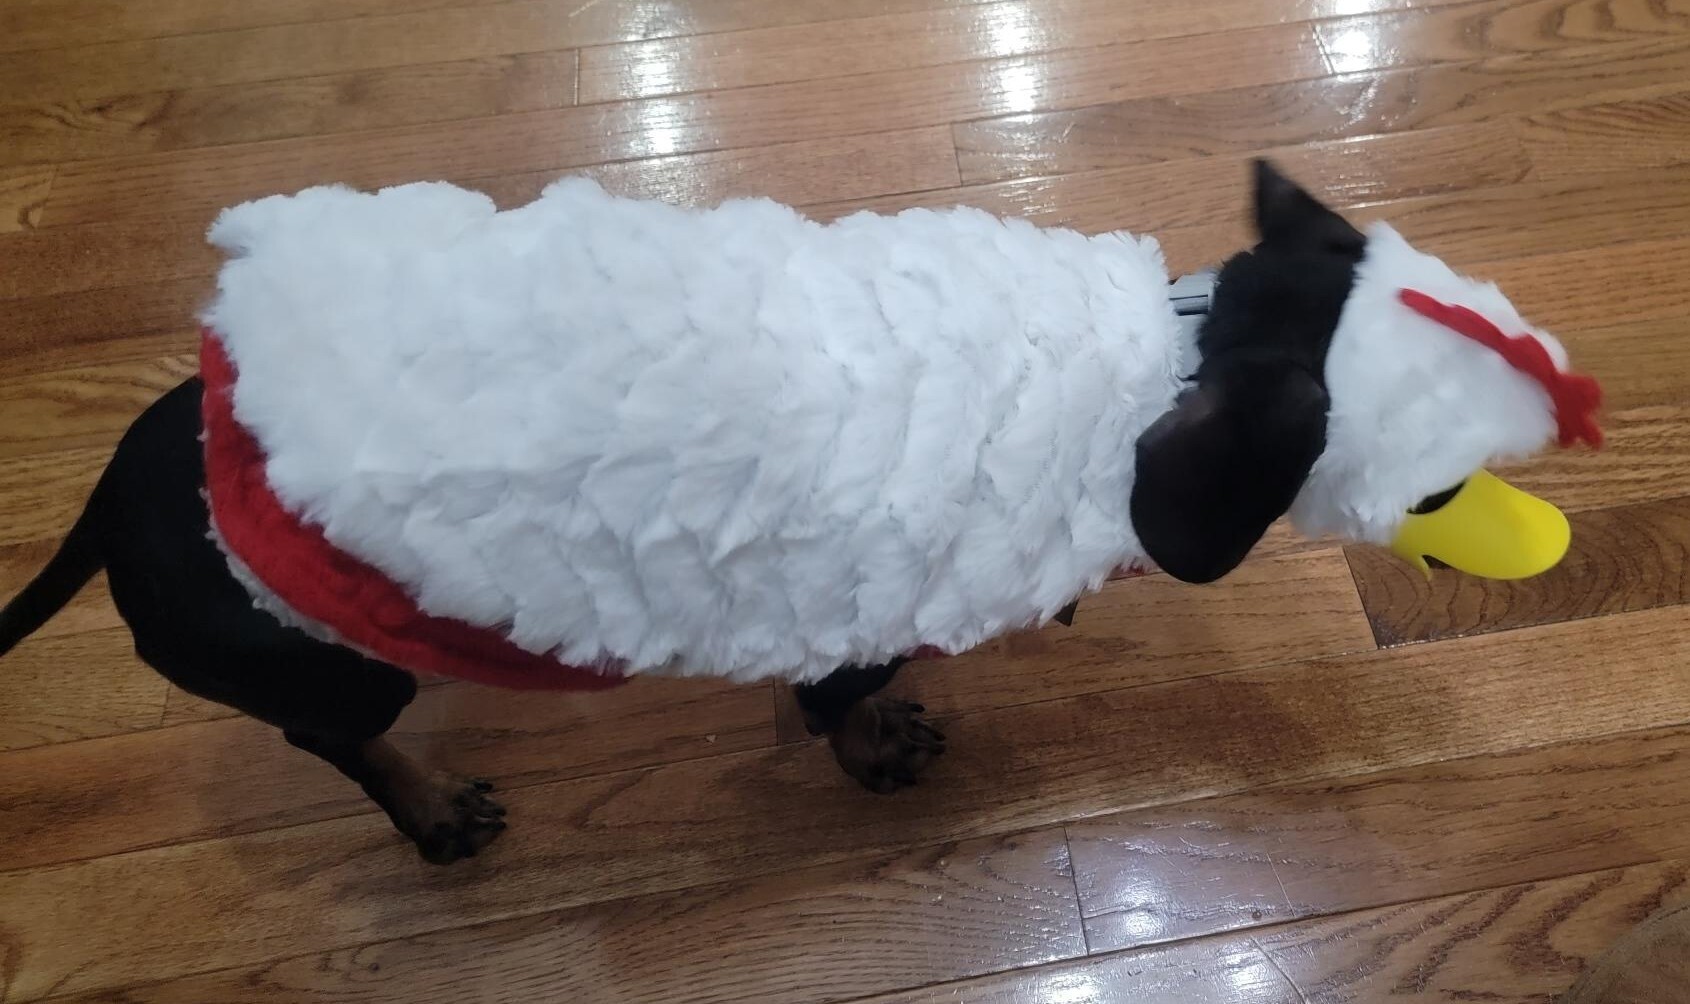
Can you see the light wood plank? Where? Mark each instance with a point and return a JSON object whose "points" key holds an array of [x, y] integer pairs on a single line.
{"points": [[1288, 853], [88, 406], [1521, 944], [91, 610], [1642, 462], [56, 689], [1599, 286], [23, 194], [1623, 558], [202, 181], [77, 128], [169, 912], [42, 494], [830, 933], [1625, 135], [1170, 127], [237, 775]]}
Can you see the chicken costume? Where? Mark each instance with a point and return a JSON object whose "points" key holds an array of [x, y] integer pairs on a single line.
{"points": [[594, 437]]}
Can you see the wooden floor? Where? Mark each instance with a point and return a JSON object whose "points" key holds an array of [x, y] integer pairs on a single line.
{"points": [[1320, 781]]}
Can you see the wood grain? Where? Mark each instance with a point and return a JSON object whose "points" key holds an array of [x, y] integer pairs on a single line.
{"points": [[1569, 142], [81, 128], [236, 901], [61, 688], [1521, 944], [88, 406], [1622, 558], [1287, 853], [237, 775], [1642, 462], [537, 141], [41, 494], [23, 194], [91, 610], [934, 37], [1178, 126], [924, 915]]}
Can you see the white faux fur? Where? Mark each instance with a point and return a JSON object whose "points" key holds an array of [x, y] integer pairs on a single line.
{"points": [[1416, 407], [728, 441]]}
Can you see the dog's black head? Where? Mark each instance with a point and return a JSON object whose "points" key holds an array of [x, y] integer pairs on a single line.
{"points": [[1229, 458]]}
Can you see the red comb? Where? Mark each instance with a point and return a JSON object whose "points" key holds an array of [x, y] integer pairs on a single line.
{"points": [[1575, 395]]}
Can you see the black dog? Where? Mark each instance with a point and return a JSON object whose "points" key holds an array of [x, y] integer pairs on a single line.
{"points": [[1256, 410]]}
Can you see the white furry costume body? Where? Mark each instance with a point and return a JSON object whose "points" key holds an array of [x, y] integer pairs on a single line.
{"points": [[728, 441]]}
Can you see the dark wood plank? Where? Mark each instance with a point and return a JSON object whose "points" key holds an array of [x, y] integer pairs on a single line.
{"points": [[550, 140], [44, 332], [1624, 558], [168, 912], [1288, 113], [60, 688], [1522, 944], [1166, 196], [832, 933], [88, 128], [236, 775], [1288, 853]]}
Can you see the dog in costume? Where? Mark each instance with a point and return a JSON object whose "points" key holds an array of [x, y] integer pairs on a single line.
{"points": [[594, 437]]}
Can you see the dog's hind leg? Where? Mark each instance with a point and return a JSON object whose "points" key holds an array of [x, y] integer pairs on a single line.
{"points": [[881, 741], [196, 625]]}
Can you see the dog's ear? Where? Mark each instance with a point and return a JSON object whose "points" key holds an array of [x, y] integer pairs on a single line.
{"points": [[1228, 459], [1288, 216]]}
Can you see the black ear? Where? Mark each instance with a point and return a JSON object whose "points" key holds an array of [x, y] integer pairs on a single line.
{"points": [[1218, 469], [1288, 216]]}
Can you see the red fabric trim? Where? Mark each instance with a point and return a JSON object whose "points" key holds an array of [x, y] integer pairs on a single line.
{"points": [[319, 581], [1575, 395]]}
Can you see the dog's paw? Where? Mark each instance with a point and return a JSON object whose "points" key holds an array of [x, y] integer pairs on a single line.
{"points": [[451, 817], [884, 744]]}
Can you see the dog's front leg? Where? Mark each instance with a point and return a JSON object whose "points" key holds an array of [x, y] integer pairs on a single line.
{"points": [[881, 741]]}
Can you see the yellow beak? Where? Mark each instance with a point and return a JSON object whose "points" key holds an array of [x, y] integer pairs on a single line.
{"points": [[1490, 529]]}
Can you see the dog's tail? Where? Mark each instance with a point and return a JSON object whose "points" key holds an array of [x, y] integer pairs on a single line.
{"points": [[77, 560]]}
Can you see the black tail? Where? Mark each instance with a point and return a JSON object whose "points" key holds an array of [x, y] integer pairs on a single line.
{"points": [[71, 568]]}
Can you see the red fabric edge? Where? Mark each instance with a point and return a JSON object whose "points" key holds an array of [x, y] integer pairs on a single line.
{"points": [[297, 563]]}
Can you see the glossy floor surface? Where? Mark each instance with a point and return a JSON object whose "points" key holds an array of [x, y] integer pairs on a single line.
{"points": [[1323, 780]]}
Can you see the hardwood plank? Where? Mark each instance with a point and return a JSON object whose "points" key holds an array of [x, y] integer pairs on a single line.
{"points": [[56, 689], [831, 933], [937, 37], [88, 406], [23, 194], [1156, 629], [537, 141], [1639, 363], [78, 128], [56, 24], [1288, 853], [1455, 33], [794, 173], [1577, 288], [58, 260], [1571, 142], [167, 912], [236, 775], [91, 610], [39, 360], [42, 494], [1288, 113], [1624, 558], [1165, 196], [1642, 462], [1522, 944], [62, 327]]}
